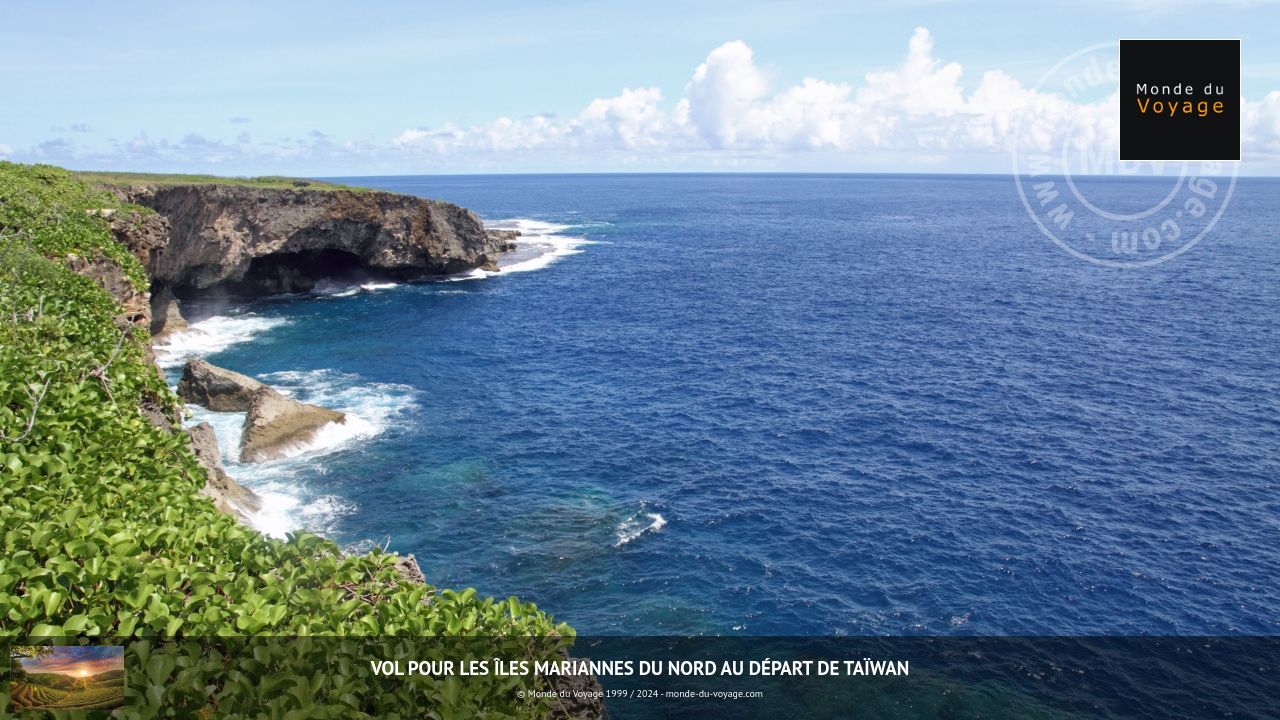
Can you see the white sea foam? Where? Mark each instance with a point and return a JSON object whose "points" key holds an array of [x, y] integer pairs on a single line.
{"points": [[528, 226], [476, 274], [341, 289], [539, 245], [212, 335], [284, 510], [331, 288], [374, 403], [286, 503], [545, 241], [226, 425], [637, 525]]}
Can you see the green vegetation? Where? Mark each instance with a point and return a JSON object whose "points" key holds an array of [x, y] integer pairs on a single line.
{"points": [[57, 681], [25, 696], [104, 533], [92, 699], [43, 208], [266, 181]]}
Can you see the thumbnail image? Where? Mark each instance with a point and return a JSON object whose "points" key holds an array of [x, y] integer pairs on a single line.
{"points": [[66, 678]]}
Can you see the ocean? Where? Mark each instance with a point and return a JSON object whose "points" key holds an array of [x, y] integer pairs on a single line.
{"points": [[796, 405]]}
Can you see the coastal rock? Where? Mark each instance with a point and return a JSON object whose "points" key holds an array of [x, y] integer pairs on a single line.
{"points": [[144, 234], [228, 495], [160, 412], [579, 697], [166, 315], [109, 275], [407, 566], [250, 241], [503, 240], [275, 422], [216, 388]]}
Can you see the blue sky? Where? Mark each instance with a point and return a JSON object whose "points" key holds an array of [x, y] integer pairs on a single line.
{"points": [[362, 88]]}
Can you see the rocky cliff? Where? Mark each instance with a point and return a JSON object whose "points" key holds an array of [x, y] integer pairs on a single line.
{"points": [[249, 241], [246, 241], [143, 236]]}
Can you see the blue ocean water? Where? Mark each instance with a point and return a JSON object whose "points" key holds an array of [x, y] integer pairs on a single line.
{"points": [[763, 404]]}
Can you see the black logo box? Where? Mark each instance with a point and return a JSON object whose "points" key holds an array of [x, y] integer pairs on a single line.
{"points": [[1186, 68]]}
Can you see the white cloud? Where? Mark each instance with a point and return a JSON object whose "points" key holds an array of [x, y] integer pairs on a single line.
{"points": [[723, 92], [5, 150], [729, 115], [915, 108], [919, 86], [1261, 121], [630, 120]]}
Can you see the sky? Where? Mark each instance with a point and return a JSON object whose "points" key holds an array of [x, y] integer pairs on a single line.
{"points": [[341, 89], [77, 661]]}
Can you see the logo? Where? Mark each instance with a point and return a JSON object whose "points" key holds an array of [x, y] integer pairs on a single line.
{"points": [[1113, 210], [1180, 99]]}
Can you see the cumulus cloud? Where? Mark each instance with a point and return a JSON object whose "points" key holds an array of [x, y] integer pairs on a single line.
{"points": [[630, 120], [729, 106], [723, 91], [729, 113], [1261, 123], [921, 85], [5, 150]]}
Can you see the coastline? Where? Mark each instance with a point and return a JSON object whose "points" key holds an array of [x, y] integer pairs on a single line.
{"points": [[104, 483], [273, 509], [370, 408], [239, 241]]}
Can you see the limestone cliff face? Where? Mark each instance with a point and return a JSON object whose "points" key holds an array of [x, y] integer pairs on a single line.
{"points": [[249, 241], [144, 236]]}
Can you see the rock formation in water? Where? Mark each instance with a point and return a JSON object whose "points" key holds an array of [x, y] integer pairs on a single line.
{"points": [[274, 423], [228, 495], [251, 241], [166, 317], [216, 388]]}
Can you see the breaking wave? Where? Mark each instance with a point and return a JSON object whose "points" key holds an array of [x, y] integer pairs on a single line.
{"points": [[637, 525], [210, 336]]}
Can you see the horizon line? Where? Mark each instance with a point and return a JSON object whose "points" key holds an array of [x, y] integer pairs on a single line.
{"points": [[814, 173]]}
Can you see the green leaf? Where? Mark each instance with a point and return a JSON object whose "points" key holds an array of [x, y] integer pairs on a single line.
{"points": [[52, 602], [75, 623], [47, 631]]}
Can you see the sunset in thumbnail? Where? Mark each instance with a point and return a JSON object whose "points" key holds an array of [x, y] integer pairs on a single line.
{"points": [[66, 678], [77, 661]]}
